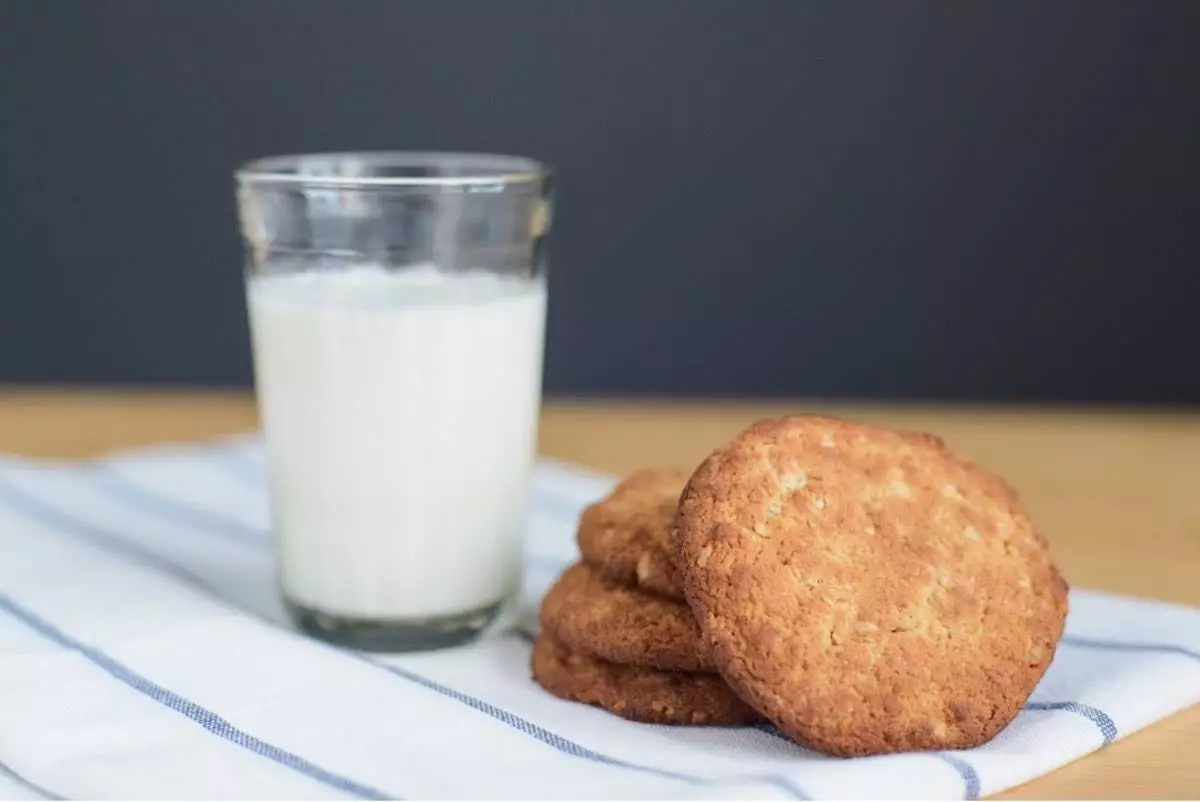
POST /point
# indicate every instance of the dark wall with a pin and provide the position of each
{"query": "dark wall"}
(952, 199)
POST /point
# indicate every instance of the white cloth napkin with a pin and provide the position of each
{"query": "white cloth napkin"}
(143, 654)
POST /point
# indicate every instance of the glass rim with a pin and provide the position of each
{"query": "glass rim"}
(474, 169)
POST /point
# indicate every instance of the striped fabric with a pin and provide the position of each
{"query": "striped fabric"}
(143, 653)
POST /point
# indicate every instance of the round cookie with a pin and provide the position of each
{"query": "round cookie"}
(594, 615)
(867, 590)
(635, 692)
(629, 536)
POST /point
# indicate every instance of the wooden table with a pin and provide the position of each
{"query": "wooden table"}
(1116, 492)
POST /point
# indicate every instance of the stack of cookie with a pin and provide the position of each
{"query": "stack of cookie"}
(616, 631)
(865, 590)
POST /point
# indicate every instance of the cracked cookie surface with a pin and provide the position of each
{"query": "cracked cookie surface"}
(635, 692)
(867, 590)
(628, 536)
(594, 615)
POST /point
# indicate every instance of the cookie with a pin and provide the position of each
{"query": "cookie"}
(867, 590)
(628, 536)
(635, 692)
(594, 615)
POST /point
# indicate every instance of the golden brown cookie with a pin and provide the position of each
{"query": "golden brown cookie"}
(629, 536)
(636, 692)
(596, 616)
(867, 590)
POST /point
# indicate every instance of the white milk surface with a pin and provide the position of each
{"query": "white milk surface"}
(400, 414)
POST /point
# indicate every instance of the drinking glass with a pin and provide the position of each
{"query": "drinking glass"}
(397, 304)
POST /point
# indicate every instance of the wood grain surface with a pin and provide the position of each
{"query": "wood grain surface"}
(1117, 492)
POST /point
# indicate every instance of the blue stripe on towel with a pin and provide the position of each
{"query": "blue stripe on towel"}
(965, 770)
(1116, 646)
(129, 491)
(30, 507)
(570, 747)
(202, 716)
(58, 521)
(1102, 720)
(27, 784)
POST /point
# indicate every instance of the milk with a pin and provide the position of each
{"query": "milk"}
(400, 416)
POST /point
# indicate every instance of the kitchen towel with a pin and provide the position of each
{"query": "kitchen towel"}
(144, 654)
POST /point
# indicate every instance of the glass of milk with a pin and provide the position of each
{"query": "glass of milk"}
(397, 306)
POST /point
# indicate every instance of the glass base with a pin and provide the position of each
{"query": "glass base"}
(395, 635)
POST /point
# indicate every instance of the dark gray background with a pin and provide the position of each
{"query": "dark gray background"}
(953, 199)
